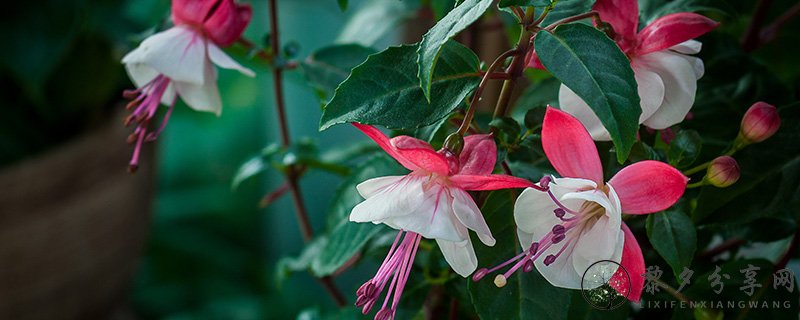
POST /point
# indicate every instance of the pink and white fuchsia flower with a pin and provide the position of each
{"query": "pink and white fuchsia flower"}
(665, 72)
(430, 202)
(566, 224)
(180, 61)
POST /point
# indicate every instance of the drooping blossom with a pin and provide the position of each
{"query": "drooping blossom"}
(567, 224)
(660, 56)
(180, 62)
(430, 202)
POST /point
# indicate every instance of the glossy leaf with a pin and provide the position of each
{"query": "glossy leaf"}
(526, 295)
(684, 148)
(326, 68)
(373, 21)
(433, 42)
(523, 3)
(592, 65)
(673, 235)
(383, 91)
(567, 8)
(255, 165)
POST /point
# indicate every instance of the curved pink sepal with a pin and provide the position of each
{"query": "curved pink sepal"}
(488, 182)
(222, 20)
(648, 186)
(673, 29)
(633, 262)
(411, 153)
(478, 156)
(569, 147)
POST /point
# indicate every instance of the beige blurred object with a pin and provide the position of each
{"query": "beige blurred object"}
(72, 226)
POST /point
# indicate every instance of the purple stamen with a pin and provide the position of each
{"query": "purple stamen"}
(534, 248)
(558, 229)
(528, 267)
(559, 212)
(557, 238)
(478, 275)
(549, 260)
(394, 271)
(145, 102)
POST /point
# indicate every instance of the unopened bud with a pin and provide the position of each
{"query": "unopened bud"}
(454, 143)
(723, 172)
(760, 122)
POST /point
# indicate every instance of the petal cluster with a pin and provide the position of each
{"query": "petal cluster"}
(660, 55)
(222, 21)
(587, 211)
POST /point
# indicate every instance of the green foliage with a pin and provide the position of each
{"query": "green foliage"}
(396, 100)
(567, 8)
(523, 3)
(592, 65)
(674, 237)
(326, 68)
(434, 41)
(684, 148)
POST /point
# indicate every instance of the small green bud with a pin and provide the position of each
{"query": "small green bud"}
(454, 143)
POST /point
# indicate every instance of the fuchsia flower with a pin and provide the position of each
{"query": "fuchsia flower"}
(567, 224)
(181, 61)
(665, 72)
(429, 202)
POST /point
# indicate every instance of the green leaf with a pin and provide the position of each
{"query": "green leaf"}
(592, 65)
(255, 165)
(346, 238)
(508, 128)
(642, 151)
(326, 68)
(567, 8)
(383, 90)
(684, 149)
(673, 235)
(523, 3)
(435, 39)
(375, 20)
(526, 295)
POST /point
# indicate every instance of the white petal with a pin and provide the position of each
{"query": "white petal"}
(596, 243)
(533, 210)
(680, 84)
(178, 53)
(697, 64)
(202, 97)
(525, 239)
(688, 47)
(651, 89)
(574, 105)
(467, 213)
(400, 199)
(561, 272)
(140, 74)
(460, 256)
(433, 218)
(224, 61)
(371, 187)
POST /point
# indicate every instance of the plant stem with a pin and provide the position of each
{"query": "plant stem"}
(515, 70)
(771, 31)
(751, 39)
(292, 173)
(723, 247)
(669, 289)
(590, 14)
(696, 184)
(697, 169)
(478, 92)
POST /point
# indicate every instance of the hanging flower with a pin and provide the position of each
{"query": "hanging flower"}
(567, 224)
(430, 202)
(180, 61)
(665, 72)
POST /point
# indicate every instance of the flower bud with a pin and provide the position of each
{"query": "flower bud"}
(760, 122)
(454, 143)
(221, 20)
(723, 172)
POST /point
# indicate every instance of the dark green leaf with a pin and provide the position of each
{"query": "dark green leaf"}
(641, 151)
(508, 128)
(326, 68)
(384, 91)
(374, 20)
(534, 117)
(435, 39)
(673, 235)
(684, 148)
(567, 8)
(592, 65)
(526, 295)
(255, 165)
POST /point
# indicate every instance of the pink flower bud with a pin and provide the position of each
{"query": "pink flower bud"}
(760, 122)
(223, 21)
(723, 172)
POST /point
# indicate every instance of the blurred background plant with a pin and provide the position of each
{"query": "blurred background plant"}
(213, 253)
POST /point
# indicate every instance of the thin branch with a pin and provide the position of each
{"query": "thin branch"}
(293, 172)
(750, 41)
(478, 92)
(728, 245)
(771, 31)
(591, 14)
